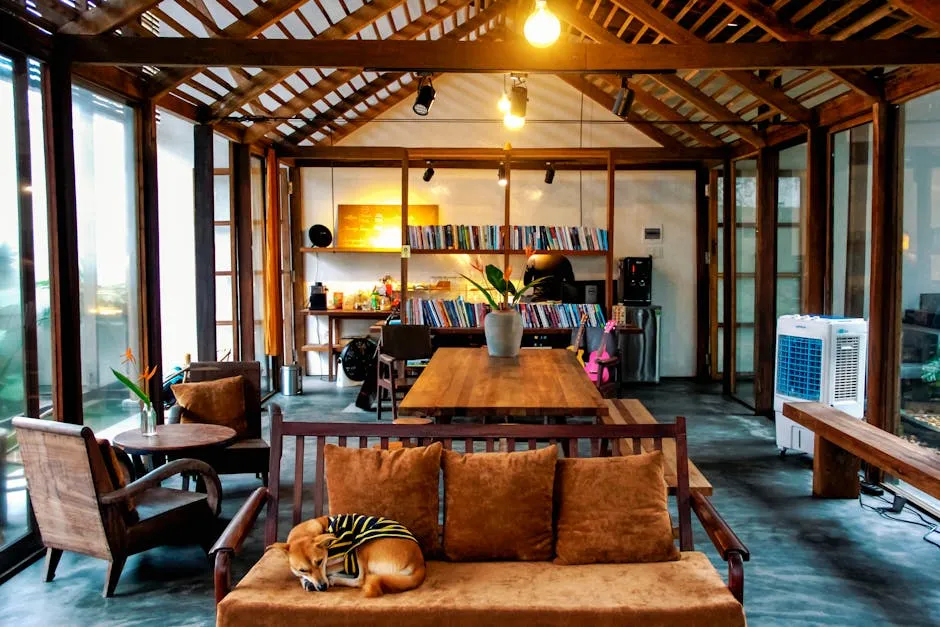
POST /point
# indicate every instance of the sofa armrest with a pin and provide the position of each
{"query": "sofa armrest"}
(154, 478)
(729, 545)
(173, 416)
(231, 541)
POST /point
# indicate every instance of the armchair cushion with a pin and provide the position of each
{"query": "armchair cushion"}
(594, 527)
(218, 402)
(499, 505)
(119, 479)
(401, 485)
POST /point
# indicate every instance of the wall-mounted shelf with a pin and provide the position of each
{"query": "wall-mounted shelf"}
(322, 348)
(483, 251)
(331, 249)
(479, 330)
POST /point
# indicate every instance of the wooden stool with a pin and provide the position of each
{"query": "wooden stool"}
(412, 420)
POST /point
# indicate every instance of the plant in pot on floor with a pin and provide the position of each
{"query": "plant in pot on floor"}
(502, 326)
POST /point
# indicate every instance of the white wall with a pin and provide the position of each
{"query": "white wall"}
(464, 114)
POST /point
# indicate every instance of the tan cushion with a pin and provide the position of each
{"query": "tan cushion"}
(689, 592)
(402, 485)
(119, 477)
(613, 509)
(499, 505)
(216, 402)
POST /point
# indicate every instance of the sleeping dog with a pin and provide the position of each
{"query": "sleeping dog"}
(369, 552)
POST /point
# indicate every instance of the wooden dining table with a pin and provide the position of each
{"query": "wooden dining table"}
(468, 382)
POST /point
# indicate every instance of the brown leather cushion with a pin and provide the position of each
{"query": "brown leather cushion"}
(217, 402)
(401, 485)
(613, 509)
(119, 478)
(499, 505)
(689, 592)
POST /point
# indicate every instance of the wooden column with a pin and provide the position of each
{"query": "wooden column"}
(729, 312)
(241, 206)
(148, 240)
(857, 225)
(24, 182)
(816, 224)
(884, 325)
(765, 288)
(63, 242)
(702, 283)
(204, 234)
(404, 237)
(507, 204)
(297, 263)
(609, 259)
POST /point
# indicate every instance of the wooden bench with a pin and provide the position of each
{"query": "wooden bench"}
(842, 440)
(630, 411)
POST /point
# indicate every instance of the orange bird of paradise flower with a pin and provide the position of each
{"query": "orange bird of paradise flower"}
(528, 250)
(128, 357)
(147, 376)
(477, 264)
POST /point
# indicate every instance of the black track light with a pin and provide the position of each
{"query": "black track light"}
(429, 173)
(624, 100)
(549, 173)
(425, 97)
(518, 97)
(501, 175)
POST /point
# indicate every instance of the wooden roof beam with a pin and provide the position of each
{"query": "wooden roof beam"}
(747, 80)
(107, 16)
(927, 12)
(261, 82)
(857, 80)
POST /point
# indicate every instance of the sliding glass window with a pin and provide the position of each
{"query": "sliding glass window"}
(745, 211)
(105, 183)
(920, 279)
(791, 201)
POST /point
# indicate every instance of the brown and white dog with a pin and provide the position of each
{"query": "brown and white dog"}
(379, 564)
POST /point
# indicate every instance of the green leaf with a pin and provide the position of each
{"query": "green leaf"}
(495, 276)
(130, 385)
(483, 291)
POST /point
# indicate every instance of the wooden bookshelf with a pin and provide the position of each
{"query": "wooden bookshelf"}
(479, 330)
(486, 251)
(333, 249)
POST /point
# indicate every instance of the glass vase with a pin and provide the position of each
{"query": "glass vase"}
(148, 421)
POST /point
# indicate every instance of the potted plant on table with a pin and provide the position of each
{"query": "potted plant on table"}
(502, 326)
(148, 417)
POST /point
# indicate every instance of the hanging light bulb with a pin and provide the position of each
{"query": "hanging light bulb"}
(542, 29)
(501, 175)
(503, 104)
(518, 98)
(513, 122)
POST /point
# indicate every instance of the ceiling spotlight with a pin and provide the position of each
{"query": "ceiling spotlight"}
(425, 97)
(549, 173)
(624, 100)
(503, 104)
(542, 28)
(518, 97)
(428, 174)
(501, 175)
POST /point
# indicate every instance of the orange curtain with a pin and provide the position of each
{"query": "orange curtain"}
(273, 318)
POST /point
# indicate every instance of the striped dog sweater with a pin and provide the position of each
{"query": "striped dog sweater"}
(355, 530)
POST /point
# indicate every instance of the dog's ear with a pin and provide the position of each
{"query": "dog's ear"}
(324, 541)
(284, 546)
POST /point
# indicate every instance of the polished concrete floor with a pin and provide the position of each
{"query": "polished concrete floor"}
(813, 562)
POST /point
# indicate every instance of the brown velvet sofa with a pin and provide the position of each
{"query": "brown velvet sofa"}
(686, 592)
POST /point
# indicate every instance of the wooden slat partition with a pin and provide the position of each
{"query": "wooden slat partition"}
(598, 436)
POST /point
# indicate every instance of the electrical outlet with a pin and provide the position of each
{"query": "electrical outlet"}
(406, 252)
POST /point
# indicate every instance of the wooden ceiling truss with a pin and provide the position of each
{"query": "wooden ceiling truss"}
(682, 106)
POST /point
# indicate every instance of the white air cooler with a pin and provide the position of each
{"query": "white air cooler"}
(819, 359)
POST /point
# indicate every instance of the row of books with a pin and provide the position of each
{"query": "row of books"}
(487, 237)
(445, 313)
(558, 238)
(460, 313)
(547, 315)
(455, 237)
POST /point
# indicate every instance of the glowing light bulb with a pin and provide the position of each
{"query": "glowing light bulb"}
(503, 104)
(513, 122)
(542, 29)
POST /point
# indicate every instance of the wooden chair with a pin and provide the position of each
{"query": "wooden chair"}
(250, 453)
(591, 341)
(79, 508)
(399, 343)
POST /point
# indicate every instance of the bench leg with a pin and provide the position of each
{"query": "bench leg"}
(835, 472)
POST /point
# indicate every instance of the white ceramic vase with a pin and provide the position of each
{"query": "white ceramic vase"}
(503, 330)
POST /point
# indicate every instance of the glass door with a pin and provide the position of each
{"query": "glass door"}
(744, 203)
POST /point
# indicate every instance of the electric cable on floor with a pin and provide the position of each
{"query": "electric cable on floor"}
(885, 512)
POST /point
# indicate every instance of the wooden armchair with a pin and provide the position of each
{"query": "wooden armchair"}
(79, 508)
(247, 454)
(399, 344)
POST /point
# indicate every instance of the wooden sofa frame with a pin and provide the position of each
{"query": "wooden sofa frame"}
(505, 437)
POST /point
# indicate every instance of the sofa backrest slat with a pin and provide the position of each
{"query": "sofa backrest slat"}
(502, 437)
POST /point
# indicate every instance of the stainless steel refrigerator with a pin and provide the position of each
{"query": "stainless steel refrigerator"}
(639, 352)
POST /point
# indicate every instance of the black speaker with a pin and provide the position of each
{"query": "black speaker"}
(320, 236)
(635, 281)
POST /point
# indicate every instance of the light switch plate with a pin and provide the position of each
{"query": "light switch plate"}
(406, 252)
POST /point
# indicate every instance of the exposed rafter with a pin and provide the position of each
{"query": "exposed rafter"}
(362, 18)
(784, 31)
(927, 11)
(107, 17)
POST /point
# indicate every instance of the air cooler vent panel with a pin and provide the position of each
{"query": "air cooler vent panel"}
(799, 365)
(845, 385)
